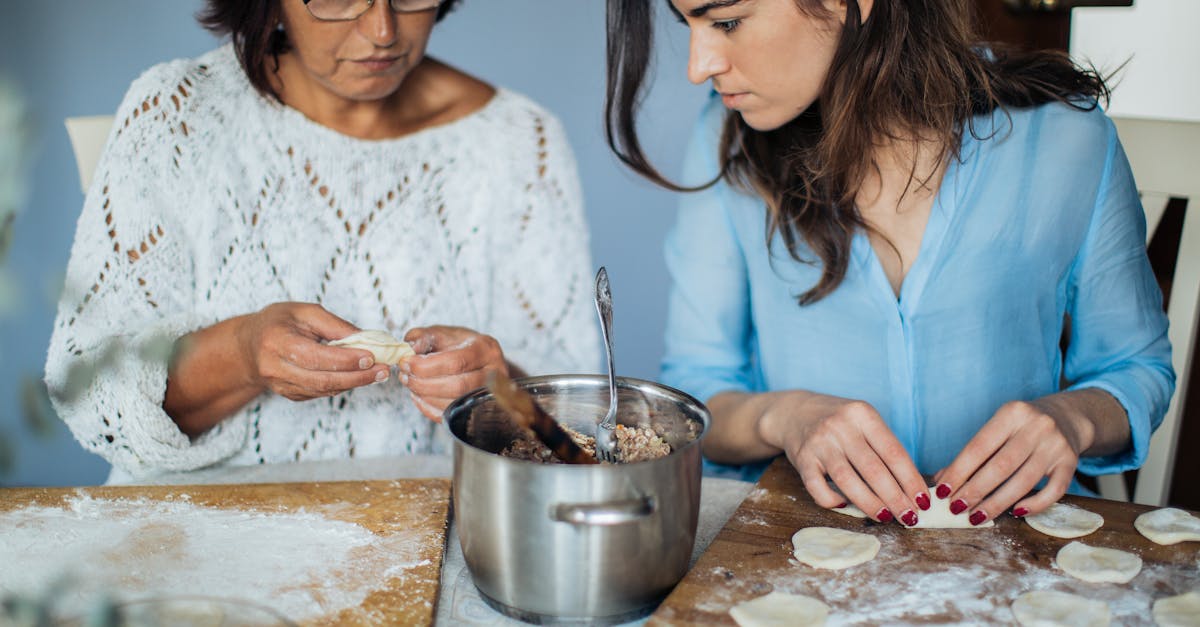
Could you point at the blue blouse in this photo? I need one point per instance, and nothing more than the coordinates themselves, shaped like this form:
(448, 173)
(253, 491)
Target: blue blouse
(1040, 220)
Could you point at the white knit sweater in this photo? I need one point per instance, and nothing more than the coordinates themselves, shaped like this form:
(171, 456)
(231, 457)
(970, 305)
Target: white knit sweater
(211, 201)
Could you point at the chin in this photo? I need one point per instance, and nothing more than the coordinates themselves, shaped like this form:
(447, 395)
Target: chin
(764, 121)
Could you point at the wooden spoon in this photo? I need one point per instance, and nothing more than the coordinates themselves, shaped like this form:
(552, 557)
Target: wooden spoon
(525, 411)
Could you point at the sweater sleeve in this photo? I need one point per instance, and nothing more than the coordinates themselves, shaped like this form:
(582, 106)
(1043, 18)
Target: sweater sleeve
(129, 290)
(543, 313)
(1118, 329)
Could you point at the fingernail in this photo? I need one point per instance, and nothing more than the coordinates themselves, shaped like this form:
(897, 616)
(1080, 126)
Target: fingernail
(958, 506)
(1020, 512)
(923, 501)
(909, 518)
(884, 516)
(943, 490)
(405, 368)
(403, 378)
(840, 506)
(381, 376)
(978, 517)
(364, 363)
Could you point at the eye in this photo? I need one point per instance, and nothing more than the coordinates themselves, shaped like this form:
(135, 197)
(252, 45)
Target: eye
(727, 26)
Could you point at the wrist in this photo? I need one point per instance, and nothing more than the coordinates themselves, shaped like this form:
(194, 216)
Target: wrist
(1073, 422)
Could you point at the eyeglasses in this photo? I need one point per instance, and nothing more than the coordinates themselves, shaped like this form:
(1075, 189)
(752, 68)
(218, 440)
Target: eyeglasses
(345, 10)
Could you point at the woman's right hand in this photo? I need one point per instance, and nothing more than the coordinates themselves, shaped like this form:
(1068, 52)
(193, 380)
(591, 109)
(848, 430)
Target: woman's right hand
(849, 442)
(282, 347)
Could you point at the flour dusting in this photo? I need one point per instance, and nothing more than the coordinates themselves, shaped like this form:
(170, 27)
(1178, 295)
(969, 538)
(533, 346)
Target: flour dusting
(303, 565)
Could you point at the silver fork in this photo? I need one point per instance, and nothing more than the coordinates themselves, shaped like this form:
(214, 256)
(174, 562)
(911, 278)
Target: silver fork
(606, 437)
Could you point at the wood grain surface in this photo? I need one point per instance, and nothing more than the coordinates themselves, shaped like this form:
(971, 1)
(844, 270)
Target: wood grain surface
(412, 507)
(922, 576)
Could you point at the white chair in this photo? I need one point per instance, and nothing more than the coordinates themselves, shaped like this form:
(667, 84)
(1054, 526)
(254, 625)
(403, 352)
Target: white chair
(88, 135)
(1165, 156)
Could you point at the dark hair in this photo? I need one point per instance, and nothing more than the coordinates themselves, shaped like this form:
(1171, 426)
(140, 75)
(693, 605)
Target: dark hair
(252, 25)
(913, 68)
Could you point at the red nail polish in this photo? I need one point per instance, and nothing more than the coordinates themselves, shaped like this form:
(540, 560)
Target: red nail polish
(943, 490)
(884, 516)
(840, 506)
(958, 506)
(1020, 512)
(909, 518)
(978, 517)
(923, 501)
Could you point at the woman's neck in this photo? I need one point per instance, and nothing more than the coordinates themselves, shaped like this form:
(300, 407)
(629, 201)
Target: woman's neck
(905, 173)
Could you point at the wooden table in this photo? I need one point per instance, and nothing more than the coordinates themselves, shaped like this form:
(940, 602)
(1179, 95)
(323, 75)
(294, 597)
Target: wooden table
(407, 520)
(946, 576)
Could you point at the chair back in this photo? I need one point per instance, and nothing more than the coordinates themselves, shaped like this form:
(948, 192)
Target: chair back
(88, 135)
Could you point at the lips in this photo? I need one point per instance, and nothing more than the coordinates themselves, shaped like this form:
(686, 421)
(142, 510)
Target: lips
(377, 63)
(732, 99)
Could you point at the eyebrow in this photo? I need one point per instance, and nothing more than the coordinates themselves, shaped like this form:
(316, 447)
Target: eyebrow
(714, 4)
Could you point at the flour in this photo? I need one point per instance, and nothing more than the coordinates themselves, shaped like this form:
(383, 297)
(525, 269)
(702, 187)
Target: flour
(303, 565)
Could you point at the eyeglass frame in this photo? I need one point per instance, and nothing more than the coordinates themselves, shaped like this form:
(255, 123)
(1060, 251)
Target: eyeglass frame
(370, 5)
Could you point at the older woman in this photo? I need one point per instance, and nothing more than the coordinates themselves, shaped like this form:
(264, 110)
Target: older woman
(318, 175)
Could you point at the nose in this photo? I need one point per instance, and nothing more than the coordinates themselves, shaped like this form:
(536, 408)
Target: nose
(706, 58)
(378, 24)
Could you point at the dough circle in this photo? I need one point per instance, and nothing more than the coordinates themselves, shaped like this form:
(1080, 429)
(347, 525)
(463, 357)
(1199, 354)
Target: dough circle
(782, 609)
(1048, 608)
(1098, 564)
(1178, 611)
(381, 344)
(1065, 521)
(834, 549)
(1168, 526)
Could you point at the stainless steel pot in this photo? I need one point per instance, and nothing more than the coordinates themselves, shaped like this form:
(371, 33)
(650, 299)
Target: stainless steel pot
(552, 543)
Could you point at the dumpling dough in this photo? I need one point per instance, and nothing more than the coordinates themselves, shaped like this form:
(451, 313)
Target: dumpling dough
(1098, 564)
(938, 516)
(826, 547)
(1047, 608)
(1065, 521)
(780, 608)
(1178, 611)
(385, 348)
(1168, 526)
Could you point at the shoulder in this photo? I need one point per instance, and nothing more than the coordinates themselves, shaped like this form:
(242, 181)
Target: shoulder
(185, 85)
(1081, 128)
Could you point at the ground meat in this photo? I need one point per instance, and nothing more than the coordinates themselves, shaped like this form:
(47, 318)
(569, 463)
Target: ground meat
(634, 444)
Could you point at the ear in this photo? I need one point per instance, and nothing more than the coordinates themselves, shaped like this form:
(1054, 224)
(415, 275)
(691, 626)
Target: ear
(839, 9)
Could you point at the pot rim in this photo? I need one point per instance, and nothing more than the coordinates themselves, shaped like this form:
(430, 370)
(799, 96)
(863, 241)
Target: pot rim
(476, 395)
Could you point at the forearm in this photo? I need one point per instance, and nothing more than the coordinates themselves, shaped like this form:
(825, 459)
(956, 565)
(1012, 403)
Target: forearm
(749, 427)
(1093, 421)
(209, 379)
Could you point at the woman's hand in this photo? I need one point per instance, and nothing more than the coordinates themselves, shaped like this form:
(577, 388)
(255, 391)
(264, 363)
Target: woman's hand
(848, 441)
(450, 362)
(282, 344)
(1022, 443)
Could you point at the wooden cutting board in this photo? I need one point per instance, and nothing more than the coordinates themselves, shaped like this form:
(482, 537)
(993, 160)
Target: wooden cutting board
(407, 513)
(920, 576)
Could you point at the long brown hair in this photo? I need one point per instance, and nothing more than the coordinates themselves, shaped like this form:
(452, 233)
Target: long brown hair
(913, 68)
(253, 27)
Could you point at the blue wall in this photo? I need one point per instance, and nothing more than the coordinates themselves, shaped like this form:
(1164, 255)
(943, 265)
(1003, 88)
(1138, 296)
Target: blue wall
(76, 57)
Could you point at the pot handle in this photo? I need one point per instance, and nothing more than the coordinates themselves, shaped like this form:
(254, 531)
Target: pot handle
(604, 514)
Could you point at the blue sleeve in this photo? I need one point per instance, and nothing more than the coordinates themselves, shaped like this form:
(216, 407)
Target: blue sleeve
(1118, 337)
(708, 317)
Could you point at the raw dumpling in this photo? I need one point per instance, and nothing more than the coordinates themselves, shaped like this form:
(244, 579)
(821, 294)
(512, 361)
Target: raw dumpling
(780, 609)
(826, 547)
(381, 344)
(1065, 521)
(1042, 608)
(1168, 526)
(1098, 564)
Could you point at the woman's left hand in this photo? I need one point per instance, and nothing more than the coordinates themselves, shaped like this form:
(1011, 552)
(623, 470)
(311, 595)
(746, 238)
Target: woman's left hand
(450, 362)
(1022, 443)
